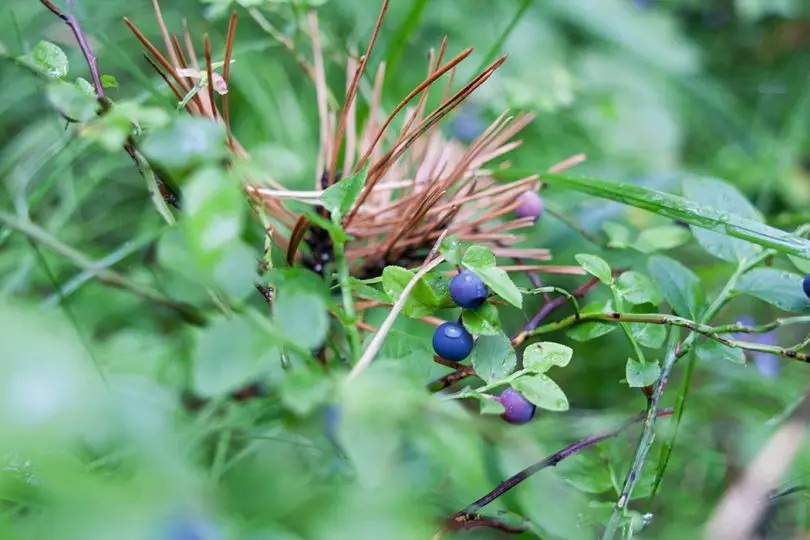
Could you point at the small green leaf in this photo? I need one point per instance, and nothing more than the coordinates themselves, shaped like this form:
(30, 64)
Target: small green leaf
(501, 284)
(493, 357)
(427, 296)
(596, 266)
(588, 474)
(85, 86)
(542, 391)
(302, 391)
(680, 286)
(710, 350)
(109, 82)
(230, 353)
(186, 143)
(491, 406)
(477, 257)
(71, 101)
(482, 262)
(48, 59)
(640, 375)
(367, 291)
(779, 288)
(540, 357)
(722, 197)
(484, 321)
(802, 265)
(301, 316)
(637, 288)
(450, 247)
(661, 238)
(651, 336)
(618, 235)
(340, 196)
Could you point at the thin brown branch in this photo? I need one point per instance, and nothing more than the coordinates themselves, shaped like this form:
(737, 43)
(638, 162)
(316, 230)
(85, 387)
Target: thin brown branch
(81, 39)
(226, 75)
(209, 70)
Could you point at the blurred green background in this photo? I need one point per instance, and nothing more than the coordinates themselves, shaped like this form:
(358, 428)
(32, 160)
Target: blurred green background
(649, 90)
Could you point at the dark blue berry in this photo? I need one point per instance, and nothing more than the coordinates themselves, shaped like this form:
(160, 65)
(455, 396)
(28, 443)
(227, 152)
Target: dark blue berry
(468, 125)
(467, 290)
(452, 342)
(519, 410)
(806, 285)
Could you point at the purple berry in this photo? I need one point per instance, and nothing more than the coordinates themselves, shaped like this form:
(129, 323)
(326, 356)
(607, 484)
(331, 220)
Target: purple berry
(468, 290)
(531, 205)
(519, 410)
(452, 342)
(806, 285)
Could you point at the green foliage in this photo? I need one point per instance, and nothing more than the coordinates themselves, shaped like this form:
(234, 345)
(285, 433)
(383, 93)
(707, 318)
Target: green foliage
(430, 294)
(493, 357)
(48, 59)
(596, 266)
(186, 143)
(481, 261)
(679, 285)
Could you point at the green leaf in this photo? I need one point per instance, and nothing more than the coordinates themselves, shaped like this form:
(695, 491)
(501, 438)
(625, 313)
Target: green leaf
(540, 357)
(302, 391)
(779, 288)
(637, 288)
(428, 295)
(680, 286)
(651, 336)
(48, 59)
(681, 208)
(85, 86)
(367, 291)
(186, 143)
(661, 238)
(301, 316)
(71, 101)
(710, 350)
(340, 196)
(484, 321)
(640, 375)
(491, 406)
(542, 391)
(493, 357)
(618, 235)
(229, 354)
(588, 474)
(720, 196)
(596, 266)
(478, 257)
(803, 265)
(109, 81)
(482, 262)
(450, 247)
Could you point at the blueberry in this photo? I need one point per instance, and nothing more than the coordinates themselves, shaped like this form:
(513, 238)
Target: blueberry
(518, 409)
(467, 126)
(531, 205)
(452, 342)
(806, 285)
(467, 290)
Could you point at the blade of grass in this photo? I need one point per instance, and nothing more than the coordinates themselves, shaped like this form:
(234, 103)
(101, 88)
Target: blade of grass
(495, 50)
(680, 208)
(396, 48)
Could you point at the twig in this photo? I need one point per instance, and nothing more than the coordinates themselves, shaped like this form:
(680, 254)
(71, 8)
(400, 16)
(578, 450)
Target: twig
(615, 317)
(377, 342)
(81, 39)
(551, 461)
(107, 276)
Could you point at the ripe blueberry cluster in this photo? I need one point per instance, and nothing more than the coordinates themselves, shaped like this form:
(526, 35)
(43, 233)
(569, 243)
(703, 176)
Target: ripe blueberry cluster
(451, 340)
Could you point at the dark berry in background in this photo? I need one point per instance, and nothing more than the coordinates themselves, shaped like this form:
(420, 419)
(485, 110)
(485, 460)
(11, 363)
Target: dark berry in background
(452, 342)
(768, 365)
(519, 410)
(468, 125)
(806, 285)
(468, 290)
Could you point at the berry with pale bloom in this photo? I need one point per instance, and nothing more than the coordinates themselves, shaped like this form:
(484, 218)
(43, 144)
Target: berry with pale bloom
(452, 341)
(518, 409)
(531, 205)
(468, 290)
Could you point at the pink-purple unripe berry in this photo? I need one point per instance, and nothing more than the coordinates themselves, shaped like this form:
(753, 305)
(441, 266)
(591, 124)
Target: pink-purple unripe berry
(531, 205)
(518, 409)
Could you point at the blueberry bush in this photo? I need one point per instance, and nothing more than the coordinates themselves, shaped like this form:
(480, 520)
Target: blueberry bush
(263, 275)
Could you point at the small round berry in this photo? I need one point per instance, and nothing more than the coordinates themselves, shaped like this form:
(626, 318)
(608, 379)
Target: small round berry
(468, 125)
(806, 285)
(452, 342)
(518, 409)
(531, 205)
(467, 290)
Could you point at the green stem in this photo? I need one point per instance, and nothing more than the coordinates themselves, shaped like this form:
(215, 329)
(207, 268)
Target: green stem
(633, 343)
(104, 275)
(348, 302)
